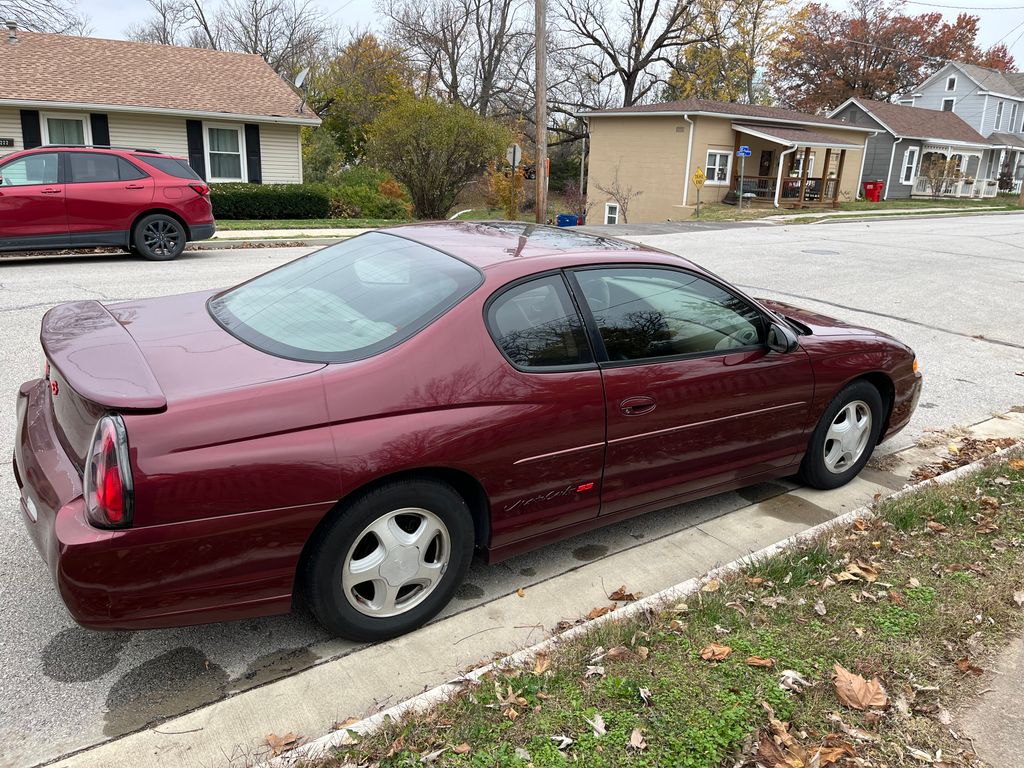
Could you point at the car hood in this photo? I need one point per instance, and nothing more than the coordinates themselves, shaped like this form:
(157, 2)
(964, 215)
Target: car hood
(820, 325)
(190, 354)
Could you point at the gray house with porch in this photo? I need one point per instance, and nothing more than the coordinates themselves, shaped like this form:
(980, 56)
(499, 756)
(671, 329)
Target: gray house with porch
(909, 138)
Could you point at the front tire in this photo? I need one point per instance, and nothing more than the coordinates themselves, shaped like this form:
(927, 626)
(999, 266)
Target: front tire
(159, 237)
(844, 438)
(391, 561)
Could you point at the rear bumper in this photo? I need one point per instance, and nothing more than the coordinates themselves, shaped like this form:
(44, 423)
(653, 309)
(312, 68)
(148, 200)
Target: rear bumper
(202, 231)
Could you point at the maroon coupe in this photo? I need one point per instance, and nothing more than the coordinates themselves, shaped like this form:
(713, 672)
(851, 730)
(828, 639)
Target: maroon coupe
(351, 426)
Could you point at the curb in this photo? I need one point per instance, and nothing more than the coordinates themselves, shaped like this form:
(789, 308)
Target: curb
(428, 699)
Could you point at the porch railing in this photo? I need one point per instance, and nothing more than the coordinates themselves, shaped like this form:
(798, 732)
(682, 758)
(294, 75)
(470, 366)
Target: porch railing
(817, 189)
(976, 188)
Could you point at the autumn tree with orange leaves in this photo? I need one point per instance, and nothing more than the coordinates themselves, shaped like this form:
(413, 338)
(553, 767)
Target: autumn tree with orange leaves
(873, 50)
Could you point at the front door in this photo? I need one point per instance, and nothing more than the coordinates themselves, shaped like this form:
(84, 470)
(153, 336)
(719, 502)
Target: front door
(32, 206)
(695, 399)
(765, 168)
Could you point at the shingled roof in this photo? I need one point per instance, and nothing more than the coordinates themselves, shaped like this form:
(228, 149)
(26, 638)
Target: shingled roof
(726, 109)
(118, 74)
(920, 123)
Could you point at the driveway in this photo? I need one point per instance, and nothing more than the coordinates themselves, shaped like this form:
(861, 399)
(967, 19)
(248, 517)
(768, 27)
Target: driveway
(950, 288)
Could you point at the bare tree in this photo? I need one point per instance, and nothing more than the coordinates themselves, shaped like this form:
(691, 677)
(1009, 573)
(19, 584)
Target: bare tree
(630, 42)
(622, 194)
(472, 52)
(286, 33)
(60, 16)
(165, 26)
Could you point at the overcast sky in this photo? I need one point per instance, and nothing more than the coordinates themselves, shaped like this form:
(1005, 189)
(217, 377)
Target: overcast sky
(1001, 20)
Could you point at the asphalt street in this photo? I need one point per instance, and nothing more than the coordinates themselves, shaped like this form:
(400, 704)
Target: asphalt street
(949, 287)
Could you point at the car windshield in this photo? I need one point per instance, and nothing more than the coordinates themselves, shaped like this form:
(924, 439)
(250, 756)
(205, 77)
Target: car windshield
(345, 302)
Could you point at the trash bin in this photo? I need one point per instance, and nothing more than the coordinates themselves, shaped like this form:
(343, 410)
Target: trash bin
(873, 190)
(567, 219)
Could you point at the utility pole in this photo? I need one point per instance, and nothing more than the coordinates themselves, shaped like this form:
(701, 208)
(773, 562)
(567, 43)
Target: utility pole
(541, 119)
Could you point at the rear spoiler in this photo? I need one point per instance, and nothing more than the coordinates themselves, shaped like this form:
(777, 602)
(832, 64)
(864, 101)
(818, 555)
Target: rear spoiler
(98, 358)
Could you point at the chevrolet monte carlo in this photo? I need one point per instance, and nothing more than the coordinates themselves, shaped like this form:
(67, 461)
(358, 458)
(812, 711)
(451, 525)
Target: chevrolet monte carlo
(349, 428)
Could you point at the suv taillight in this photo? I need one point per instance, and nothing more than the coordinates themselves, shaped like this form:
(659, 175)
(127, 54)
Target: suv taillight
(200, 189)
(109, 494)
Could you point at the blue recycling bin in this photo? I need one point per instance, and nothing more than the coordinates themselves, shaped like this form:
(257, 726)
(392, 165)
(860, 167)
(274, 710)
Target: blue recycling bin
(568, 219)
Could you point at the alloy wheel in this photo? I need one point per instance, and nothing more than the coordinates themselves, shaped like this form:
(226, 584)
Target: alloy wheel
(161, 237)
(396, 562)
(847, 436)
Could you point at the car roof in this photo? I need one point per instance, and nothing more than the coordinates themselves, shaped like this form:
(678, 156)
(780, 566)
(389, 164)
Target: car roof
(491, 244)
(140, 151)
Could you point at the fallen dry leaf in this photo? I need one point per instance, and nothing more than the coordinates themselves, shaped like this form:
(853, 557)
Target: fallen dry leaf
(541, 663)
(828, 755)
(1017, 463)
(522, 754)
(935, 526)
(1018, 598)
(858, 693)
(757, 661)
(345, 724)
(461, 749)
(791, 680)
(622, 595)
(636, 740)
(429, 757)
(601, 610)
(965, 666)
(511, 713)
(715, 652)
(713, 585)
(988, 502)
(913, 583)
(646, 696)
(618, 653)
(281, 744)
(594, 670)
(819, 608)
(521, 592)
(597, 724)
(643, 652)
(985, 527)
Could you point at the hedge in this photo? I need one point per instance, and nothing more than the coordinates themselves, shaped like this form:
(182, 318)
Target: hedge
(270, 201)
(364, 194)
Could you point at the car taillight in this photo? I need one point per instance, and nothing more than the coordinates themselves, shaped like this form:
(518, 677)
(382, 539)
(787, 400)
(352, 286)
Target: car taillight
(200, 189)
(109, 494)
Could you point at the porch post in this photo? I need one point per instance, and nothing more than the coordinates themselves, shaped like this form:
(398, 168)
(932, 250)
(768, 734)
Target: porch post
(803, 175)
(824, 174)
(839, 178)
(735, 149)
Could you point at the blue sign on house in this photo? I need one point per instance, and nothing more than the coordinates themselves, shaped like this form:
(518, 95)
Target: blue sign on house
(743, 151)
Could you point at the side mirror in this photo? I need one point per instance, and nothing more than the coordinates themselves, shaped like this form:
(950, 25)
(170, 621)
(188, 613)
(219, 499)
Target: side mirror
(781, 338)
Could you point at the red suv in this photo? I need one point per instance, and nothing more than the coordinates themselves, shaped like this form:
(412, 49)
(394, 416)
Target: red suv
(54, 197)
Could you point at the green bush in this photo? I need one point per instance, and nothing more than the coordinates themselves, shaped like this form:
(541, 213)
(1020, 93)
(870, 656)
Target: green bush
(270, 201)
(362, 201)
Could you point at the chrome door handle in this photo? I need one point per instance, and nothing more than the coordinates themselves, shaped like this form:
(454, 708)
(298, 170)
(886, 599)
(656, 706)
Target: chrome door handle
(637, 406)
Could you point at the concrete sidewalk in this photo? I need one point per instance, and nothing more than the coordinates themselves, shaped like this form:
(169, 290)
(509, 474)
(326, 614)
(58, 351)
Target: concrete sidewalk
(995, 722)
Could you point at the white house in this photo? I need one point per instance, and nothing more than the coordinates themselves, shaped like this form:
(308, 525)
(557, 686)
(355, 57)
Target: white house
(230, 114)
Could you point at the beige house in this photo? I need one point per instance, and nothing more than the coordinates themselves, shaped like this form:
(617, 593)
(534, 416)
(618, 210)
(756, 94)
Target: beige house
(230, 114)
(654, 150)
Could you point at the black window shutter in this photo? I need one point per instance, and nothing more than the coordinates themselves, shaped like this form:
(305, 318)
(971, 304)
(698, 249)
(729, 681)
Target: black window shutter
(196, 155)
(100, 129)
(31, 133)
(253, 157)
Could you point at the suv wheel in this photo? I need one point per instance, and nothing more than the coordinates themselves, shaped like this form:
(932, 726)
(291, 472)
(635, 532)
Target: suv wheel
(159, 237)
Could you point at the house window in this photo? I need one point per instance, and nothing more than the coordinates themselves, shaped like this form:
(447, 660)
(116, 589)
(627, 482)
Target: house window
(999, 116)
(798, 164)
(1012, 127)
(948, 104)
(950, 83)
(909, 165)
(65, 129)
(718, 167)
(611, 213)
(225, 146)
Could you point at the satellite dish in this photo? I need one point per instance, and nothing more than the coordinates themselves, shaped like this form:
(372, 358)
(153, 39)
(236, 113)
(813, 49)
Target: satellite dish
(301, 77)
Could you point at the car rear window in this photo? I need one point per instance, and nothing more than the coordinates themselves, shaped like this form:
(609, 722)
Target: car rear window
(345, 302)
(170, 165)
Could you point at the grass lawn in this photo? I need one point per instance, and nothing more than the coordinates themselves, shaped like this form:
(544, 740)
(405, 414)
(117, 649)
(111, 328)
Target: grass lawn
(910, 603)
(303, 224)
(1000, 201)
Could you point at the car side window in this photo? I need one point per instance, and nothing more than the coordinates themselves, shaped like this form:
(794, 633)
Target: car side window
(536, 325)
(93, 167)
(32, 169)
(128, 171)
(650, 312)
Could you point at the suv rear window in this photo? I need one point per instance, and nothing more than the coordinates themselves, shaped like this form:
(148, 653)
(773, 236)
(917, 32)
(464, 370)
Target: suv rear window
(346, 302)
(170, 165)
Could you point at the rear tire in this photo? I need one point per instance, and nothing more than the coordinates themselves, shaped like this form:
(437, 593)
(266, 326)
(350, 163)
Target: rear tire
(391, 561)
(159, 237)
(844, 438)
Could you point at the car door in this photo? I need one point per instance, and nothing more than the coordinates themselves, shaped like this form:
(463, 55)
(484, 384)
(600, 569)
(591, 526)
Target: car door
(554, 479)
(695, 399)
(104, 194)
(32, 205)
